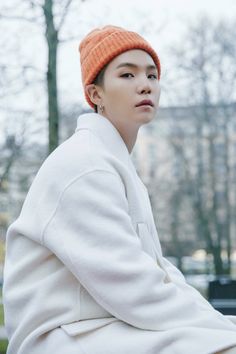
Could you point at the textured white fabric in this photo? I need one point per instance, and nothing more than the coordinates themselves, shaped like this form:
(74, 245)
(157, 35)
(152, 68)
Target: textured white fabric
(84, 259)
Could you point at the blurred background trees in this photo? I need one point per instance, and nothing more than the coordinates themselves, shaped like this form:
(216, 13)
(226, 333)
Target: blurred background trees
(199, 125)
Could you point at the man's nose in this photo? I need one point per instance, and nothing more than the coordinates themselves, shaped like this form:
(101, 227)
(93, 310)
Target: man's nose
(144, 85)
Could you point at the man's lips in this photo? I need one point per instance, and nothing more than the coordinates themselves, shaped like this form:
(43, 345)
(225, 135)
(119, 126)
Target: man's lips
(144, 103)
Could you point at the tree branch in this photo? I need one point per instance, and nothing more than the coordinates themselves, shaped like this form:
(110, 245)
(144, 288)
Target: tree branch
(68, 39)
(64, 14)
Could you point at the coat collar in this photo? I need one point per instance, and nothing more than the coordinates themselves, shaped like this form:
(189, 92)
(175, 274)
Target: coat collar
(107, 132)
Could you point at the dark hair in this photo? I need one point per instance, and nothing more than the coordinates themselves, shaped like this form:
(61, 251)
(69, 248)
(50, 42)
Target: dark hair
(99, 80)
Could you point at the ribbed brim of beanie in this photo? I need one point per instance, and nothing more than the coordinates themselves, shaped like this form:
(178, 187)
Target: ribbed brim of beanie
(101, 45)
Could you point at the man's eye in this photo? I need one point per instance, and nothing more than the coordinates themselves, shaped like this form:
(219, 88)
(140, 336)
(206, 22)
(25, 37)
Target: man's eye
(125, 75)
(155, 77)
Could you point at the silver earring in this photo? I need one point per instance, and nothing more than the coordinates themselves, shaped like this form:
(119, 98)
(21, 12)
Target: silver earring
(101, 107)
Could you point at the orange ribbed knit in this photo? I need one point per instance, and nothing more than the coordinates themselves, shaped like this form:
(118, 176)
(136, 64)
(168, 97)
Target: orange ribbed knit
(101, 45)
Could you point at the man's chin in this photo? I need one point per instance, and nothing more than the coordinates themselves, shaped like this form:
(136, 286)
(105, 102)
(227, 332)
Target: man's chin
(146, 118)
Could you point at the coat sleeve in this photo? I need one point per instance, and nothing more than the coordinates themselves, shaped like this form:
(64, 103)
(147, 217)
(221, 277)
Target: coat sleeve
(91, 232)
(179, 277)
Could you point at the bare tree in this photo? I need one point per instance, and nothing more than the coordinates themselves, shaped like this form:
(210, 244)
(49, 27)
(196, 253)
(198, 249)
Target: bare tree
(50, 17)
(207, 71)
(20, 77)
(52, 33)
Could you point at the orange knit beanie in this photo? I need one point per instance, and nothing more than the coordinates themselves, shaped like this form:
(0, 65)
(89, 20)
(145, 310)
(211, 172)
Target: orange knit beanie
(101, 45)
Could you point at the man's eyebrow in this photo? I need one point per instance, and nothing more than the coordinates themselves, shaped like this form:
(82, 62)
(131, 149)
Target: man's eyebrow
(132, 65)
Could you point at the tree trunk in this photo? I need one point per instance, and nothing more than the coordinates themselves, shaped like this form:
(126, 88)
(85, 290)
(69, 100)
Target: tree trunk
(53, 111)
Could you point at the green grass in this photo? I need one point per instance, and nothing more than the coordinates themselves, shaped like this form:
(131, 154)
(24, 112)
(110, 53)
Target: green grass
(4, 342)
(3, 346)
(1, 316)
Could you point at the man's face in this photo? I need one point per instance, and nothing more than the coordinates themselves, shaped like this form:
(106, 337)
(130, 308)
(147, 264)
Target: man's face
(126, 85)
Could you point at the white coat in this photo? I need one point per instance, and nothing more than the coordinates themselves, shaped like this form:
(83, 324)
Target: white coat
(84, 271)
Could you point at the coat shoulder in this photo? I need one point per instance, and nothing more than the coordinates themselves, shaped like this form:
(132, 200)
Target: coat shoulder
(73, 158)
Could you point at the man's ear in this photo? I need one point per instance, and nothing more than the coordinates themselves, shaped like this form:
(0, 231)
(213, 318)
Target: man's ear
(93, 92)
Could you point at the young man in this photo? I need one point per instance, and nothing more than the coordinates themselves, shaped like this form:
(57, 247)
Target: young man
(84, 270)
